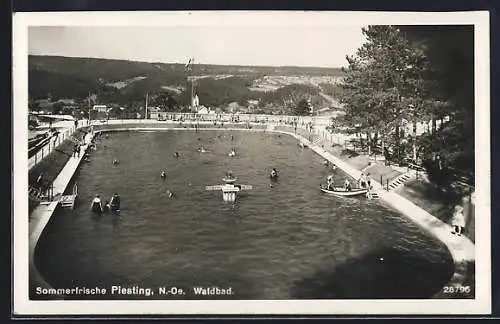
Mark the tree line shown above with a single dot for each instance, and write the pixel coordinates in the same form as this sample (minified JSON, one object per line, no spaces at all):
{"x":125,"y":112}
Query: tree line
{"x":403,"y":75}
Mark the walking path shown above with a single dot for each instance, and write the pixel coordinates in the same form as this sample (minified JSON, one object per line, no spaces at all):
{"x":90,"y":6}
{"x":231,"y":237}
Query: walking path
{"x":42,"y":213}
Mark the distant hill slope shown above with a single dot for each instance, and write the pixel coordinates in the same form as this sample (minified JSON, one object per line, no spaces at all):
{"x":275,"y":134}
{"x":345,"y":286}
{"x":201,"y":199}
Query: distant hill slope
{"x":117,"y":70}
{"x":124,"y":81}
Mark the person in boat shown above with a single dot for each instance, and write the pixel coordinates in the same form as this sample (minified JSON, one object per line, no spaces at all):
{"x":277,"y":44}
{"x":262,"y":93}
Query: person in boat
{"x":347,"y":185}
{"x":274,"y":173}
{"x":96,"y":205}
{"x":115,"y":202}
{"x":362,"y":181}
{"x":163,"y":175}
{"x":330,"y":182}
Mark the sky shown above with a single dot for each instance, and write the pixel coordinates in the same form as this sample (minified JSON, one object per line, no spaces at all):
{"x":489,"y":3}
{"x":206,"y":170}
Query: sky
{"x":271,"y":45}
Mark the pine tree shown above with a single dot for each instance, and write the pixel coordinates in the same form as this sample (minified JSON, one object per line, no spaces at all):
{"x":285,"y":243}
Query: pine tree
{"x":450,"y":50}
{"x":385,"y":85}
{"x":302,"y":108}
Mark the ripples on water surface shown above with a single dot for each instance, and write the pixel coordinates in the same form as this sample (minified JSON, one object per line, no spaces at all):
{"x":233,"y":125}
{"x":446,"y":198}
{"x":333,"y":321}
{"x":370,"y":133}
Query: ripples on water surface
{"x":280,"y":242}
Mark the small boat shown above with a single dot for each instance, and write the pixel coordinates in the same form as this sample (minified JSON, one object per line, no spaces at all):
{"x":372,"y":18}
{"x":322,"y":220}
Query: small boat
{"x":229,"y":180}
{"x":340,"y":191}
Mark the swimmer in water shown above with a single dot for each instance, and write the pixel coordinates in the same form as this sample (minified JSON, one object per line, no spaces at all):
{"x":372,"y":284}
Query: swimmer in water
{"x":107,"y":206}
{"x":96,"y":205}
{"x":115,"y":202}
{"x":170,"y":194}
{"x":116,"y":161}
{"x":163,"y":175}
{"x":177,"y":155}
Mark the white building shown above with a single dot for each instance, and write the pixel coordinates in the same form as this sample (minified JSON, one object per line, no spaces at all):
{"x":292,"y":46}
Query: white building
{"x":203,"y":110}
{"x":195,"y":102}
{"x":100,"y":108}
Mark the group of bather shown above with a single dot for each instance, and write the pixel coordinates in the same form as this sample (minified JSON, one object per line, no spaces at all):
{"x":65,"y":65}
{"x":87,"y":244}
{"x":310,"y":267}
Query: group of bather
{"x":112,"y":205}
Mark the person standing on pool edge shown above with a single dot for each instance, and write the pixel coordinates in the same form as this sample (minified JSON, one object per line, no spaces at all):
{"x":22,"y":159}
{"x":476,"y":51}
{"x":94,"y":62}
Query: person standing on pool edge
{"x":115,"y":202}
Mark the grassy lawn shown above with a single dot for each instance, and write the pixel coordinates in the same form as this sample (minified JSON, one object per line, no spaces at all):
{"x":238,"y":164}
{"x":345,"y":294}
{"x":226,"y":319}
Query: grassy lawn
{"x":428,"y":197}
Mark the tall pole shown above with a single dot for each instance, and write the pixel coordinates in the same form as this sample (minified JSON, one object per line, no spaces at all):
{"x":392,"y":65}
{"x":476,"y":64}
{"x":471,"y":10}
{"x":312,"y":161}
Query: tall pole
{"x":146,"y":111}
{"x":192,"y":94}
{"x":89,"y":107}
{"x":192,"y":86}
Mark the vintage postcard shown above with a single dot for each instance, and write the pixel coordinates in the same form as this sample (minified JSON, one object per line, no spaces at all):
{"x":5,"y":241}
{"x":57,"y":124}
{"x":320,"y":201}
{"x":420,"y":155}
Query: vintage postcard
{"x":251,"y":163}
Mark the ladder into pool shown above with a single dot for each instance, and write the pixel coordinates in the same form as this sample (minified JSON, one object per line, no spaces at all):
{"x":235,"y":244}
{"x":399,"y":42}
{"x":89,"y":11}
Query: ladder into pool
{"x":68,"y":201}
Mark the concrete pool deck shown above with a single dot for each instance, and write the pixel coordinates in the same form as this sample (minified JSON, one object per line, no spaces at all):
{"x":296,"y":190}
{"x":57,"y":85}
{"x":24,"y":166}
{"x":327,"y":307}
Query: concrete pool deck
{"x":461,"y":248}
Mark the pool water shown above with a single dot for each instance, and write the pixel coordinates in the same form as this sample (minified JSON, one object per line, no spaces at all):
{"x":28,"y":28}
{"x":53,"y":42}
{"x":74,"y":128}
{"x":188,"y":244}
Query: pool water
{"x":285,"y":241}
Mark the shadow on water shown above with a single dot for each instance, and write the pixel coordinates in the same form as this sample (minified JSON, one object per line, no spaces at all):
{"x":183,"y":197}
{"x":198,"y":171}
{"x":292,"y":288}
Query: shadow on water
{"x":383,"y":274}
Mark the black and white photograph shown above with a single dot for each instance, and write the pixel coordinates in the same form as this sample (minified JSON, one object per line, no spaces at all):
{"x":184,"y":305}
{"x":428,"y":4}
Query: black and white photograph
{"x":262,"y":162}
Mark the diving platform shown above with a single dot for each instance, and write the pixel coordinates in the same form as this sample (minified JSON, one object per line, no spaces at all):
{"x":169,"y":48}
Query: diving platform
{"x":229,"y":190}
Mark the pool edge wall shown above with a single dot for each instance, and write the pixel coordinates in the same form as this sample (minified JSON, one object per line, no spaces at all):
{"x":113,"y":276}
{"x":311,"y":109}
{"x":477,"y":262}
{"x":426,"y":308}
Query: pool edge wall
{"x":461,"y":251}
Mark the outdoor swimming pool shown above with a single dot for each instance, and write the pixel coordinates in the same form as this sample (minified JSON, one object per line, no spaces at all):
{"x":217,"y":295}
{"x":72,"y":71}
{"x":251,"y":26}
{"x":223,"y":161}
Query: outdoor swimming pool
{"x":282,"y":242}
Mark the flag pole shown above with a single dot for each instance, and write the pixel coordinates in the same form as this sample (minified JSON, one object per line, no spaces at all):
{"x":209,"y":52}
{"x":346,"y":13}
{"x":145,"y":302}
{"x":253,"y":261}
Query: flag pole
{"x":146,"y":111}
{"x":89,"y":107}
{"x":192,"y":86}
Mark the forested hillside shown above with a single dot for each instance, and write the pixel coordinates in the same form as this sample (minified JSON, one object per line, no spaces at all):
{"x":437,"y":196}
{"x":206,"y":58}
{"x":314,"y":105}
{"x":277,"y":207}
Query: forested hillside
{"x":126,"y":83}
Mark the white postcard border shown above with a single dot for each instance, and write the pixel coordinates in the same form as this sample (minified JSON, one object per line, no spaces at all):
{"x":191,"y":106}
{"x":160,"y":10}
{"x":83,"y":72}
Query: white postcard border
{"x":24,"y":306}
